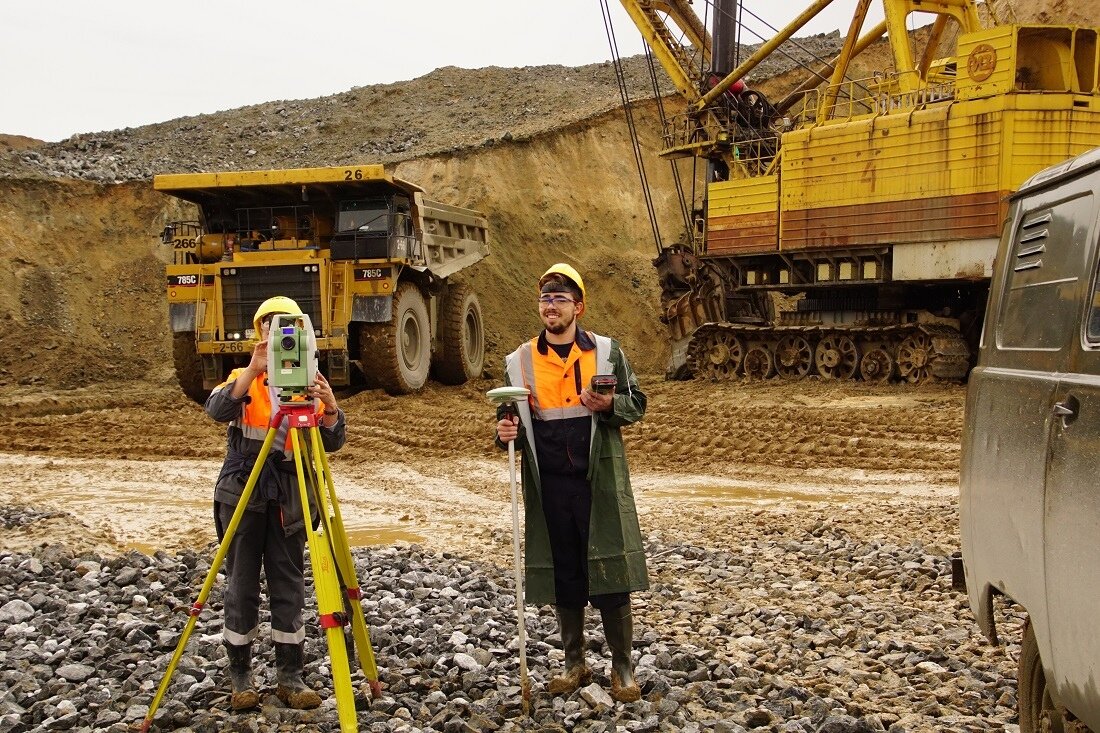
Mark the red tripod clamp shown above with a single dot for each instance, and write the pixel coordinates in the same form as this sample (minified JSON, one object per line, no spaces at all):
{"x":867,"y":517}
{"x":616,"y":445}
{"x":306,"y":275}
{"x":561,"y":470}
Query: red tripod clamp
{"x":302,"y":415}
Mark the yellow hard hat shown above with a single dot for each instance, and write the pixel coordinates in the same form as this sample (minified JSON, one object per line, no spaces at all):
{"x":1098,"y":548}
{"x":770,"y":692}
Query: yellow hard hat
{"x":567,"y":270}
{"x":278,"y":304}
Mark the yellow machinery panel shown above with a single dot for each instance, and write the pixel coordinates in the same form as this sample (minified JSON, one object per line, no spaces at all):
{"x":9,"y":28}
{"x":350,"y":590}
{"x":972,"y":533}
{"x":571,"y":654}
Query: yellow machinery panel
{"x":742,"y":216}
{"x":937,"y":174}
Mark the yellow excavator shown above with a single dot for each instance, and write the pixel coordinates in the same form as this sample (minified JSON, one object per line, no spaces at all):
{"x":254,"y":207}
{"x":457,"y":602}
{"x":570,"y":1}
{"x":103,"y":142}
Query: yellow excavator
{"x":874,"y":202}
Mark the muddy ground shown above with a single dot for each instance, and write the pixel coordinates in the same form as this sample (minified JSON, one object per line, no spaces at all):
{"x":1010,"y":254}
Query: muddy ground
{"x":747,"y":471}
{"x":133,"y":463}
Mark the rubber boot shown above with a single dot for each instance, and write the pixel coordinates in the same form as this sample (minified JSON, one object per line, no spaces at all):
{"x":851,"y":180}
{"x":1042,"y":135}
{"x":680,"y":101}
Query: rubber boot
{"x":244,"y":695}
{"x":577,"y":673}
{"x":291,"y":689}
{"x":618,"y":629}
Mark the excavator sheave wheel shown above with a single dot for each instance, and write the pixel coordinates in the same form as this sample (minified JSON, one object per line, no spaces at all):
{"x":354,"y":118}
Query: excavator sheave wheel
{"x":759,"y":363}
{"x":716,"y":355}
{"x":794,"y":357}
{"x":915,"y":358}
{"x":876,"y":366}
{"x":836,"y":357}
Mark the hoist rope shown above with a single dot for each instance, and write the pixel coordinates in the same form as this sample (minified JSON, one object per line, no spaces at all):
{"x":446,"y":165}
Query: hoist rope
{"x":624,"y":94}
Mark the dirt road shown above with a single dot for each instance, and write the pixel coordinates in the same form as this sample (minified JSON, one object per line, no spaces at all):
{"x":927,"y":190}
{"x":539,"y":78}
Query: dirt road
{"x":132,"y":464}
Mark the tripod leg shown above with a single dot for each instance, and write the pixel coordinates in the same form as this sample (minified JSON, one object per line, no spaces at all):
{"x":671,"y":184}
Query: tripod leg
{"x":330,"y":606}
{"x":211,"y":576}
{"x":346,"y":566}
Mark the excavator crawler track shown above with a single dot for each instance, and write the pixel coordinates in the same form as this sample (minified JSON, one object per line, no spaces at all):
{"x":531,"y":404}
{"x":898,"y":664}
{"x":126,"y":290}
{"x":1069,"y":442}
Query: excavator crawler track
{"x":910,"y":352}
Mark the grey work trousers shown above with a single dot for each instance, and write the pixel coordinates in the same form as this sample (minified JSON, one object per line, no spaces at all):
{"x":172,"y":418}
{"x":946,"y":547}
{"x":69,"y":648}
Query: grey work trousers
{"x":261,"y":541}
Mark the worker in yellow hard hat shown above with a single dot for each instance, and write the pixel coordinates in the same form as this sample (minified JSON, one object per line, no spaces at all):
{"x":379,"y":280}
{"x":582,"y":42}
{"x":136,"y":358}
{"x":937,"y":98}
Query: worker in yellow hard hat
{"x":583,"y":542}
{"x":271,"y":533}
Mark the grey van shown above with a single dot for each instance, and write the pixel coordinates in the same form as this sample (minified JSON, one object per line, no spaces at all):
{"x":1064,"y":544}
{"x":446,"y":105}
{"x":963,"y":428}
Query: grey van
{"x":1030,"y":474}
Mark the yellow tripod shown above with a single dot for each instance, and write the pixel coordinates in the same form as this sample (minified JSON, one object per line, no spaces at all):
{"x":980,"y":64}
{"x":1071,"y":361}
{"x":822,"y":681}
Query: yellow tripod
{"x":330,"y":559}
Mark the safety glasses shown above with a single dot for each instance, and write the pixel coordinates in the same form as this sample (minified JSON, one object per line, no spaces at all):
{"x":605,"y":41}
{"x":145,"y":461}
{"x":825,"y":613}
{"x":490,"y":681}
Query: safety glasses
{"x":555,"y":300}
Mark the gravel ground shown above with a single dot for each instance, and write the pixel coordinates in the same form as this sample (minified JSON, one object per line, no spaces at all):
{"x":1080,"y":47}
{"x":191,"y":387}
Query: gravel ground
{"x":795,"y":625}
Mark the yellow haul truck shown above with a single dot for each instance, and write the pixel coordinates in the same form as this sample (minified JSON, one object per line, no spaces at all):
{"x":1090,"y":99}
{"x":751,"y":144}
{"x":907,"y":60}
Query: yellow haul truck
{"x":878,"y":200}
{"x":365,"y":254}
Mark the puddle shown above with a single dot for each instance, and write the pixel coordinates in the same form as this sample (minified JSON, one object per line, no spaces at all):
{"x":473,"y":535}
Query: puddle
{"x":743,"y":493}
{"x":367,"y":536}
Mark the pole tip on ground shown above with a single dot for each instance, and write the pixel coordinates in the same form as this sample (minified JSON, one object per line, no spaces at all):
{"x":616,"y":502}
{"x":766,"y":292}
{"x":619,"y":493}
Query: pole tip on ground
{"x":525,"y":695}
{"x":375,"y":689}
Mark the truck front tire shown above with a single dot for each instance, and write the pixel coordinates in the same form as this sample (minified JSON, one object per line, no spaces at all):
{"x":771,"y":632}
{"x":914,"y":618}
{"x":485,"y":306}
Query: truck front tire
{"x":188,"y":365}
{"x":397,"y":355}
{"x":1033,"y":697}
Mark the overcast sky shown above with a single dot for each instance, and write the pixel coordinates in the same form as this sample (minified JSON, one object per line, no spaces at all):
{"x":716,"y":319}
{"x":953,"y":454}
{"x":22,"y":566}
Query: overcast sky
{"x":76,"y":66}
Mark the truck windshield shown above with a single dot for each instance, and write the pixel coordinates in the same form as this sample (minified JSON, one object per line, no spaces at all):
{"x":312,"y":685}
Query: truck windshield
{"x":370,"y":215}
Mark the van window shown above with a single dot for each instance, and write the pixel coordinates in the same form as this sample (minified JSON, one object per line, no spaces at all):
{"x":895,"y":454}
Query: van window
{"x":1092,"y":332}
{"x":1039,"y":308}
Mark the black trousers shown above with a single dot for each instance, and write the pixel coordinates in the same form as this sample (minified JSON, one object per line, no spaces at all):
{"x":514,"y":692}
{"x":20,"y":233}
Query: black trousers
{"x":260,"y":542}
{"x":567,"y":506}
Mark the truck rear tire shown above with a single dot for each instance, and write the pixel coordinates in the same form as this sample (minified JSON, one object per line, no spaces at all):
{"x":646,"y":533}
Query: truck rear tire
{"x":397,"y":355}
{"x":188,"y":366}
{"x":1033,"y":697}
{"x":462,"y":334}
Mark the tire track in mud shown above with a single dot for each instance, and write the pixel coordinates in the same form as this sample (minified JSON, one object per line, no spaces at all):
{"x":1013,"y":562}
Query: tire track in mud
{"x":711,"y":455}
{"x":689,"y":427}
{"x":701,"y":426}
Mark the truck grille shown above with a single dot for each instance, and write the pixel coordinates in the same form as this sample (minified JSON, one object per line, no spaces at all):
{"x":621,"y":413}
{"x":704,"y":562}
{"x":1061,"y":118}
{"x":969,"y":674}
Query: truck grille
{"x":243,"y":292}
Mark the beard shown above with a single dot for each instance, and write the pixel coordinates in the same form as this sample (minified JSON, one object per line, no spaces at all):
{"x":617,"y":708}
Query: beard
{"x":561,"y":326}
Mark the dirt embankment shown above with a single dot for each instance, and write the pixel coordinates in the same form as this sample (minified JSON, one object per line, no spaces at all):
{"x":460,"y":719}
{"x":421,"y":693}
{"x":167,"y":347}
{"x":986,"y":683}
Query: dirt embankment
{"x":83,"y":299}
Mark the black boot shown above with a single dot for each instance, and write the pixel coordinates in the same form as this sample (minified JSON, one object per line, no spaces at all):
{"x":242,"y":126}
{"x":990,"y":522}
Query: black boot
{"x":618,"y":629}
{"x":577,"y":673}
{"x":291,"y":688}
{"x":244,"y":695}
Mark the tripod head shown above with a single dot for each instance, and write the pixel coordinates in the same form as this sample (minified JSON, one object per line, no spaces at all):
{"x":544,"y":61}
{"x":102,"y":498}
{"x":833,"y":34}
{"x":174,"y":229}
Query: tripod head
{"x":291,"y":356}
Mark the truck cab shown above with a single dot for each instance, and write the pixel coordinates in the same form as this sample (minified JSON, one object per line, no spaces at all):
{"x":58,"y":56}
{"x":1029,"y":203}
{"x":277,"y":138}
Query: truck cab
{"x":1030,"y":502}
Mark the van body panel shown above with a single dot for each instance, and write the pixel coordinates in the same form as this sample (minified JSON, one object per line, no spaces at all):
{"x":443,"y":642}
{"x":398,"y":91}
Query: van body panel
{"x":1004,"y":450}
{"x":1030,"y":472}
{"x":1072,"y":530}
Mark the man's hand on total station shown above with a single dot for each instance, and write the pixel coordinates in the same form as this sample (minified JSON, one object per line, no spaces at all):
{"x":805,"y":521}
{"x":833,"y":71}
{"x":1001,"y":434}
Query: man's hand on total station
{"x":322,"y":390}
{"x":257,"y":365}
{"x":508,"y":428}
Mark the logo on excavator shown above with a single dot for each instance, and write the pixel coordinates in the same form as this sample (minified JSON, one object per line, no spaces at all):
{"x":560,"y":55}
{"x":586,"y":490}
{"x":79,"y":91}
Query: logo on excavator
{"x":981,"y":62}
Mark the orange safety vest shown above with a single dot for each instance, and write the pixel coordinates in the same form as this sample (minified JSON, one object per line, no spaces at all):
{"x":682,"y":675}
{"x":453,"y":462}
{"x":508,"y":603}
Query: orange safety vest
{"x":255,"y":419}
{"x":557,"y":383}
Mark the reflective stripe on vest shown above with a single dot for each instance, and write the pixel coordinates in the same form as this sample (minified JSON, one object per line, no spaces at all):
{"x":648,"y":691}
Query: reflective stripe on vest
{"x":553,"y":383}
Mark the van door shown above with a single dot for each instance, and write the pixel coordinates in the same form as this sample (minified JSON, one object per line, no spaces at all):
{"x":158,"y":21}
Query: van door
{"x":1029,"y":334}
{"x":1072,"y":497}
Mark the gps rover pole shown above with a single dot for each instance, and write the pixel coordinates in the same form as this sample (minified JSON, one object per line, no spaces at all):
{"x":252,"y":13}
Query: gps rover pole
{"x":505,"y":397}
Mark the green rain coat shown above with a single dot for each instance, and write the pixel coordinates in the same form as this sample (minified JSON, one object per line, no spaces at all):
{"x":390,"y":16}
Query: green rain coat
{"x":616,"y":559}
